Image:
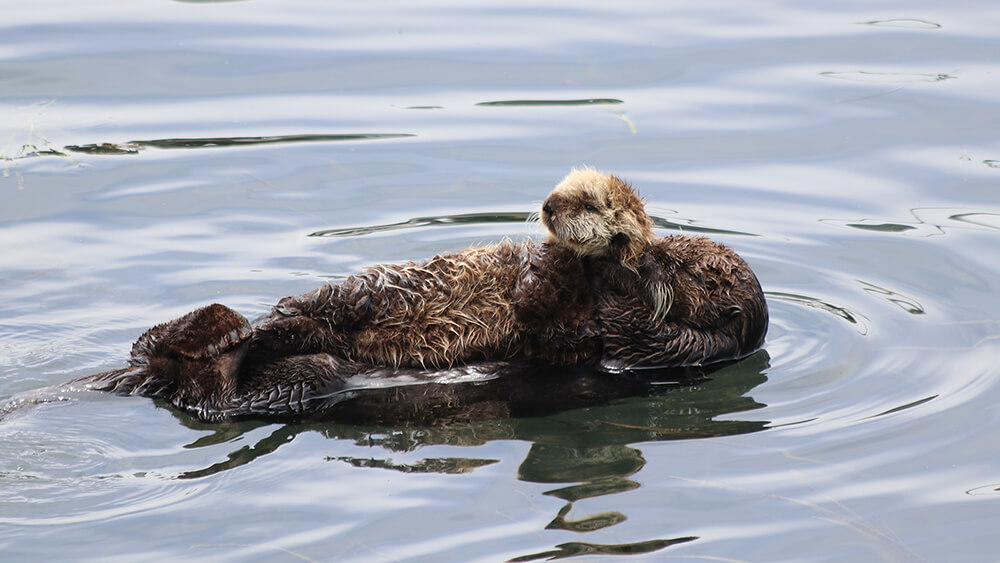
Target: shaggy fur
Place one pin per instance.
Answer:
(490, 303)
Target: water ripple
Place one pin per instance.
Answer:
(499, 217)
(133, 147)
(886, 77)
(111, 471)
(435, 221)
(547, 103)
(908, 304)
(928, 222)
(861, 323)
(907, 23)
(580, 549)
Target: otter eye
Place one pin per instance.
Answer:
(590, 208)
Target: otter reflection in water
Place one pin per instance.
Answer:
(602, 291)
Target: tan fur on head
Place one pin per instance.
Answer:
(598, 214)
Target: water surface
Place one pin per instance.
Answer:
(161, 156)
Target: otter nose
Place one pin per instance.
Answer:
(551, 205)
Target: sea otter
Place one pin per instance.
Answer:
(672, 301)
(602, 290)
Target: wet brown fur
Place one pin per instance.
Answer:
(490, 303)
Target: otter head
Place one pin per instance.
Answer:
(597, 214)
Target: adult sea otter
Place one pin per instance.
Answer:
(603, 290)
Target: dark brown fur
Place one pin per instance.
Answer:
(603, 289)
(716, 311)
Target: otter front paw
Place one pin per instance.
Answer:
(281, 335)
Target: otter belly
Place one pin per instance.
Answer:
(451, 309)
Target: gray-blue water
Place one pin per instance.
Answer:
(848, 150)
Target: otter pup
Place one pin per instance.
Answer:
(673, 301)
(602, 290)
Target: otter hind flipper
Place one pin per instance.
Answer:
(291, 387)
(205, 333)
(185, 360)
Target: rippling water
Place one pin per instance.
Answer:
(162, 156)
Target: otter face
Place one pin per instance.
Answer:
(597, 214)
